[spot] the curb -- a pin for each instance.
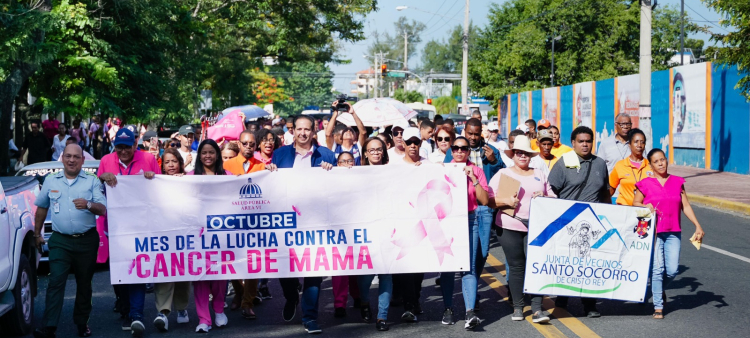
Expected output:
(720, 203)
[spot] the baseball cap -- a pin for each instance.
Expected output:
(130, 127)
(492, 126)
(543, 123)
(125, 137)
(187, 129)
(411, 132)
(149, 134)
(401, 124)
(523, 127)
(544, 134)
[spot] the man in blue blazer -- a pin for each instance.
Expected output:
(303, 153)
(487, 157)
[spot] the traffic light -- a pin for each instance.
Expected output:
(429, 101)
(383, 70)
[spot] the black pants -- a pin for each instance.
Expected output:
(514, 246)
(410, 285)
(70, 254)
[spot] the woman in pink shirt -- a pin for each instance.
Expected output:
(477, 193)
(513, 230)
(209, 162)
(665, 195)
(267, 143)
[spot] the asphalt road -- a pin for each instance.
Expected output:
(704, 300)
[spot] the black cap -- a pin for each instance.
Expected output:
(149, 134)
(187, 129)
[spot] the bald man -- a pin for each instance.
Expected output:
(76, 198)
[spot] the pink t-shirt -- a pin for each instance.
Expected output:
(258, 156)
(667, 200)
(141, 163)
(472, 191)
(529, 185)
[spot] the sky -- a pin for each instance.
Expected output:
(451, 13)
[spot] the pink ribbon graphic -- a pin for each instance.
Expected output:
(434, 203)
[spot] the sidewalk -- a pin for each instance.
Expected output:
(721, 190)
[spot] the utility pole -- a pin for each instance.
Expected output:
(406, 50)
(644, 113)
(552, 75)
(465, 66)
(376, 76)
(682, 32)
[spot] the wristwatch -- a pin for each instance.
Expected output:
(88, 205)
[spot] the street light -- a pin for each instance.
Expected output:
(465, 65)
(552, 75)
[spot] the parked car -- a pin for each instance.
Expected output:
(19, 257)
(40, 171)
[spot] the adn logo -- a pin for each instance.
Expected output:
(250, 190)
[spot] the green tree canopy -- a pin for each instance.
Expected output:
(447, 56)
(408, 97)
(392, 45)
(736, 20)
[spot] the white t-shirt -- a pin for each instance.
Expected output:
(437, 156)
(191, 165)
(394, 156)
(322, 138)
(426, 148)
(58, 146)
(288, 138)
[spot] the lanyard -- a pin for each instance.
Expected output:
(130, 168)
(641, 172)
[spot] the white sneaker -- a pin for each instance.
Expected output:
(202, 328)
(161, 322)
(182, 317)
(221, 320)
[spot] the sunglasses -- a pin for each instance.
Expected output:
(461, 148)
(398, 132)
(346, 162)
(174, 145)
(410, 142)
(443, 139)
(123, 148)
(521, 153)
(247, 144)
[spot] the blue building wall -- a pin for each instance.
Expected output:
(730, 123)
(536, 105)
(660, 110)
(605, 110)
(513, 112)
(566, 114)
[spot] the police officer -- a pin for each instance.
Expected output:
(74, 197)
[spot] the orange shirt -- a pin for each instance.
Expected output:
(560, 149)
(237, 165)
(625, 175)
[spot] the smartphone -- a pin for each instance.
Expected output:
(154, 145)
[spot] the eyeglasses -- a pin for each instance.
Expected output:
(443, 139)
(267, 140)
(624, 124)
(69, 156)
(398, 132)
(248, 144)
(123, 148)
(375, 151)
(411, 141)
(521, 153)
(351, 161)
(461, 148)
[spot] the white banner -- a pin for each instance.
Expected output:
(588, 250)
(289, 223)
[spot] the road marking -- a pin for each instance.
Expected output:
(724, 252)
(561, 315)
(548, 331)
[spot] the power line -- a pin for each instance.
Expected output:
(444, 17)
(447, 22)
(704, 18)
(434, 15)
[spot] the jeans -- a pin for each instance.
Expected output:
(411, 288)
(385, 288)
(477, 258)
(484, 221)
(666, 262)
(310, 295)
(514, 247)
(137, 297)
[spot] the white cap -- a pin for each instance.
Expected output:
(403, 124)
(492, 126)
(411, 132)
(523, 127)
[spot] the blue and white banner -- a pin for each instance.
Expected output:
(588, 250)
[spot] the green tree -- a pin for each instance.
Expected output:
(736, 21)
(447, 56)
(598, 41)
(392, 45)
(408, 97)
(445, 104)
(307, 83)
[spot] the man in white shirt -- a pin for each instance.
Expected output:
(426, 130)
(187, 136)
(289, 134)
(321, 135)
(399, 150)
(493, 138)
(617, 147)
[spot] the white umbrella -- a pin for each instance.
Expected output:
(379, 112)
(312, 112)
